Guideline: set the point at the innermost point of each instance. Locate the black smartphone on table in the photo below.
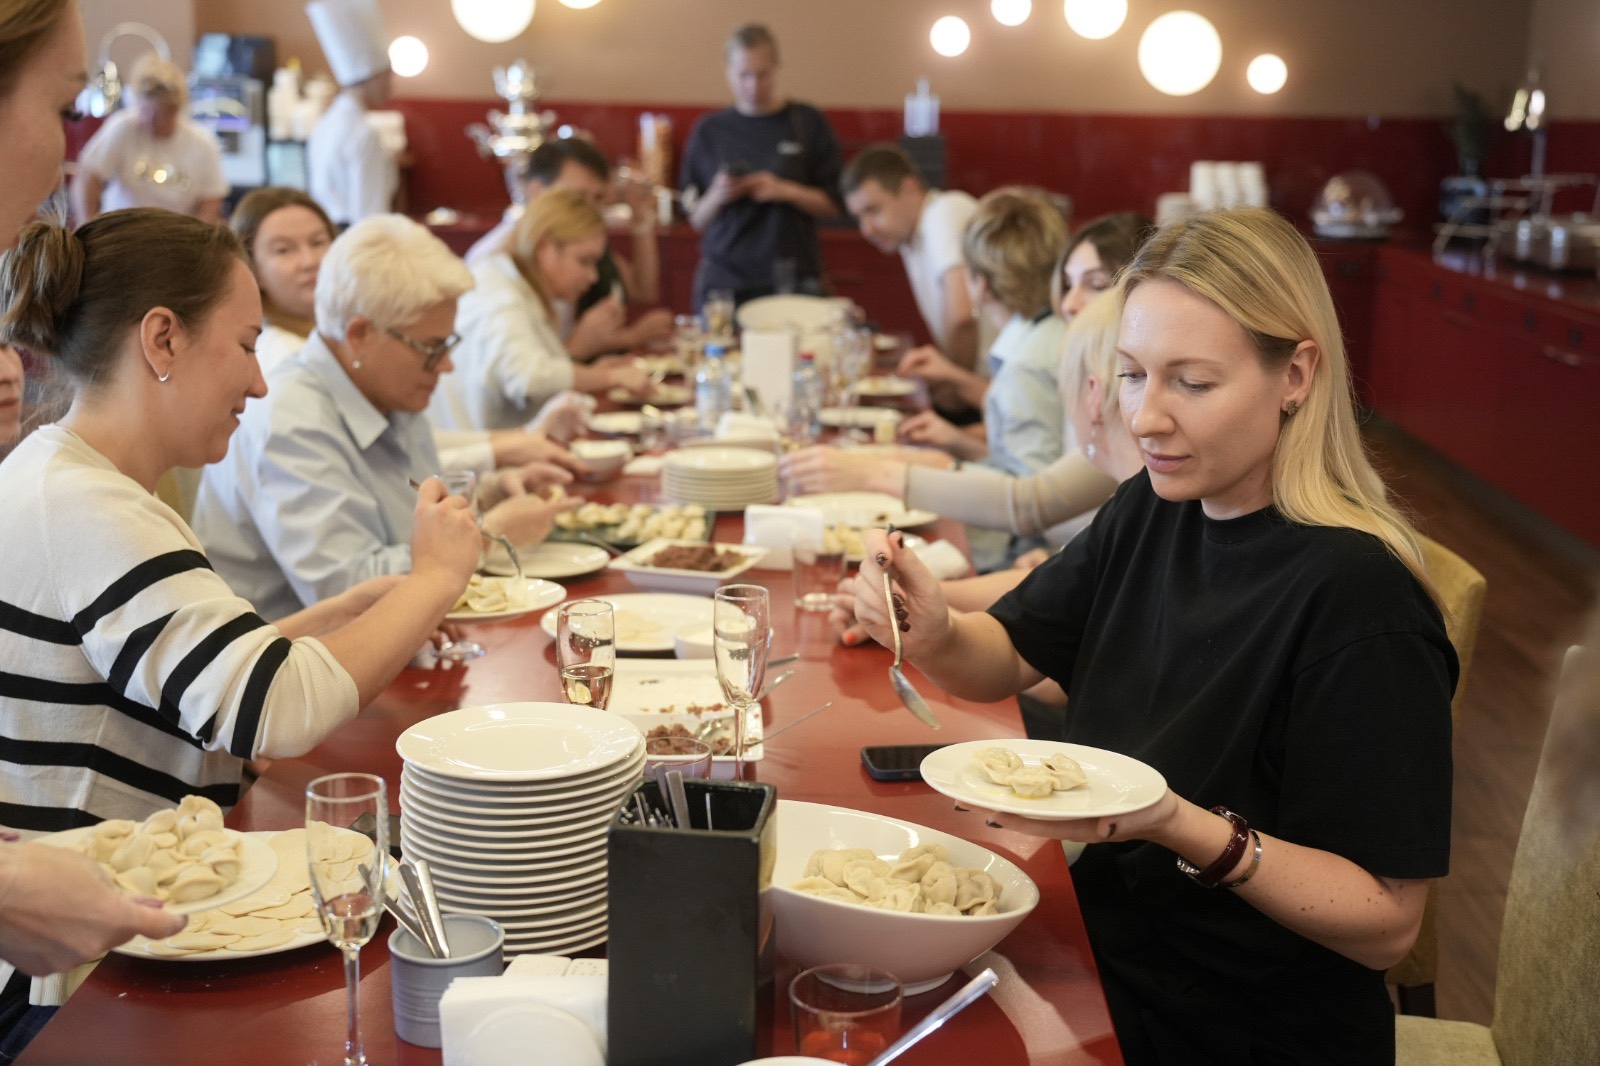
(897, 762)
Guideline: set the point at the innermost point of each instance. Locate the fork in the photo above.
(511, 550)
(902, 687)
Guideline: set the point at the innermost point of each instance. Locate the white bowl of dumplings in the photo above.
(922, 949)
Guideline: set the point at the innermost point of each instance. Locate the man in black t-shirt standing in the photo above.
(762, 171)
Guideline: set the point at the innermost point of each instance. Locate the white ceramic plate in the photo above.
(481, 815)
(552, 559)
(866, 510)
(618, 423)
(660, 396)
(524, 883)
(436, 828)
(857, 417)
(460, 850)
(555, 798)
(720, 462)
(1117, 784)
(257, 864)
(539, 595)
(647, 620)
(509, 742)
(502, 869)
(885, 385)
(637, 566)
(656, 692)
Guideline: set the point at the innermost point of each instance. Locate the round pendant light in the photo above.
(1095, 19)
(581, 5)
(1180, 53)
(408, 56)
(1267, 73)
(950, 36)
(1011, 12)
(493, 21)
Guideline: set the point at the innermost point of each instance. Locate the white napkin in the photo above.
(469, 1000)
(777, 528)
(735, 425)
(943, 559)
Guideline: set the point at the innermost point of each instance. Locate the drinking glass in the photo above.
(462, 483)
(718, 311)
(819, 566)
(586, 650)
(347, 848)
(688, 341)
(845, 1012)
(741, 625)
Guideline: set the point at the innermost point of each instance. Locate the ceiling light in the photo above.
(950, 36)
(1267, 73)
(1011, 12)
(408, 56)
(1180, 53)
(581, 5)
(493, 21)
(1095, 19)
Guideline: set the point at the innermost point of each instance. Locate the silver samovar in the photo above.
(513, 134)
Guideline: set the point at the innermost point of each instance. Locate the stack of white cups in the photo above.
(1225, 184)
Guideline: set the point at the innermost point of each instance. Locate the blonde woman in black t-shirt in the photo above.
(1250, 616)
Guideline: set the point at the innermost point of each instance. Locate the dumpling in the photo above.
(134, 851)
(224, 861)
(991, 907)
(997, 764)
(193, 882)
(161, 822)
(903, 897)
(1066, 771)
(914, 862)
(859, 875)
(1032, 782)
(830, 863)
(948, 909)
(975, 889)
(196, 845)
(939, 884)
(140, 881)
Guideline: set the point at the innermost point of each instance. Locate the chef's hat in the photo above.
(352, 37)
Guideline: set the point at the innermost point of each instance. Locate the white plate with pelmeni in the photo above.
(1113, 783)
(617, 423)
(552, 560)
(646, 621)
(488, 598)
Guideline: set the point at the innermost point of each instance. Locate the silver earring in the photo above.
(163, 377)
(1090, 451)
(355, 364)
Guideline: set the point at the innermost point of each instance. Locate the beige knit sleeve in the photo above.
(985, 497)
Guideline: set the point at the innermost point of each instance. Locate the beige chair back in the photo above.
(1548, 976)
(1462, 591)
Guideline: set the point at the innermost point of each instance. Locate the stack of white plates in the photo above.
(722, 479)
(510, 803)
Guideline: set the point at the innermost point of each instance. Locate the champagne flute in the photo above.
(741, 635)
(586, 649)
(348, 867)
(462, 483)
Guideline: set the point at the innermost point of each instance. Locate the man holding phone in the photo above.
(762, 172)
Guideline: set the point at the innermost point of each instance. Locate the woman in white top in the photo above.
(152, 155)
(511, 359)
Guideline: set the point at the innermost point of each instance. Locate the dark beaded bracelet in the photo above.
(1212, 875)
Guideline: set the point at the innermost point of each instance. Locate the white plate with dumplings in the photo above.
(257, 863)
(646, 621)
(488, 598)
(1117, 784)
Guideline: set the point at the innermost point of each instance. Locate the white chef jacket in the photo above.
(349, 172)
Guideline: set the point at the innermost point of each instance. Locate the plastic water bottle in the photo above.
(805, 400)
(713, 391)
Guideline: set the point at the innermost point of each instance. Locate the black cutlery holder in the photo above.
(687, 928)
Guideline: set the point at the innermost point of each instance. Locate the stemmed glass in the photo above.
(348, 863)
(586, 649)
(741, 634)
(462, 483)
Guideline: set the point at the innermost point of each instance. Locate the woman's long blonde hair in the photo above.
(560, 215)
(1260, 271)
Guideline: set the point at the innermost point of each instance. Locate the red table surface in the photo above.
(290, 1007)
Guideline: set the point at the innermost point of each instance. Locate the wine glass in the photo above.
(741, 633)
(462, 483)
(586, 649)
(347, 848)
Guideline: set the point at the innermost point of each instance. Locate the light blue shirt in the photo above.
(314, 494)
(1022, 411)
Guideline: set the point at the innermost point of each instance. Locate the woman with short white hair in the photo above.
(315, 494)
(152, 154)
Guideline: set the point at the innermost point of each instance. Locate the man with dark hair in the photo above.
(896, 211)
(761, 172)
(597, 323)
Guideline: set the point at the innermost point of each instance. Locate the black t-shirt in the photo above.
(1298, 675)
(739, 247)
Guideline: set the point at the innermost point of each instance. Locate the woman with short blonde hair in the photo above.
(1246, 616)
(511, 358)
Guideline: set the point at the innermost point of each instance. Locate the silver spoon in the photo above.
(430, 932)
(897, 680)
(969, 994)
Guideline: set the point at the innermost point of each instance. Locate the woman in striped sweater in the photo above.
(130, 674)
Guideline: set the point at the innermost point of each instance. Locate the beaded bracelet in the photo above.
(1211, 876)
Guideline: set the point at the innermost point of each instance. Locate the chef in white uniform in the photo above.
(350, 172)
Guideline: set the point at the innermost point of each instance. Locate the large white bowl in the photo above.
(605, 457)
(635, 564)
(923, 950)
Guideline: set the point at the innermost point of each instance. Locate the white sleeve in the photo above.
(521, 357)
(373, 176)
(464, 449)
(948, 222)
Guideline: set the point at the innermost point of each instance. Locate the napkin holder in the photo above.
(778, 529)
(767, 364)
(687, 928)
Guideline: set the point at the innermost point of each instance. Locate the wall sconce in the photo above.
(408, 56)
(1267, 73)
(493, 21)
(1179, 53)
(950, 36)
(1095, 19)
(1011, 12)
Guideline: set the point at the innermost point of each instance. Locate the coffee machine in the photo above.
(227, 95)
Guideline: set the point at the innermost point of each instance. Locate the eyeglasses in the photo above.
(432, 354)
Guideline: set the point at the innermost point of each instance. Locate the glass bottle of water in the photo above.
(806, 400)
(713, 391)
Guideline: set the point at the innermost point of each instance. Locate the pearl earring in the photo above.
(355, 364)
(163, 377)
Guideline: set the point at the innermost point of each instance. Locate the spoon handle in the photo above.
(970, 993)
